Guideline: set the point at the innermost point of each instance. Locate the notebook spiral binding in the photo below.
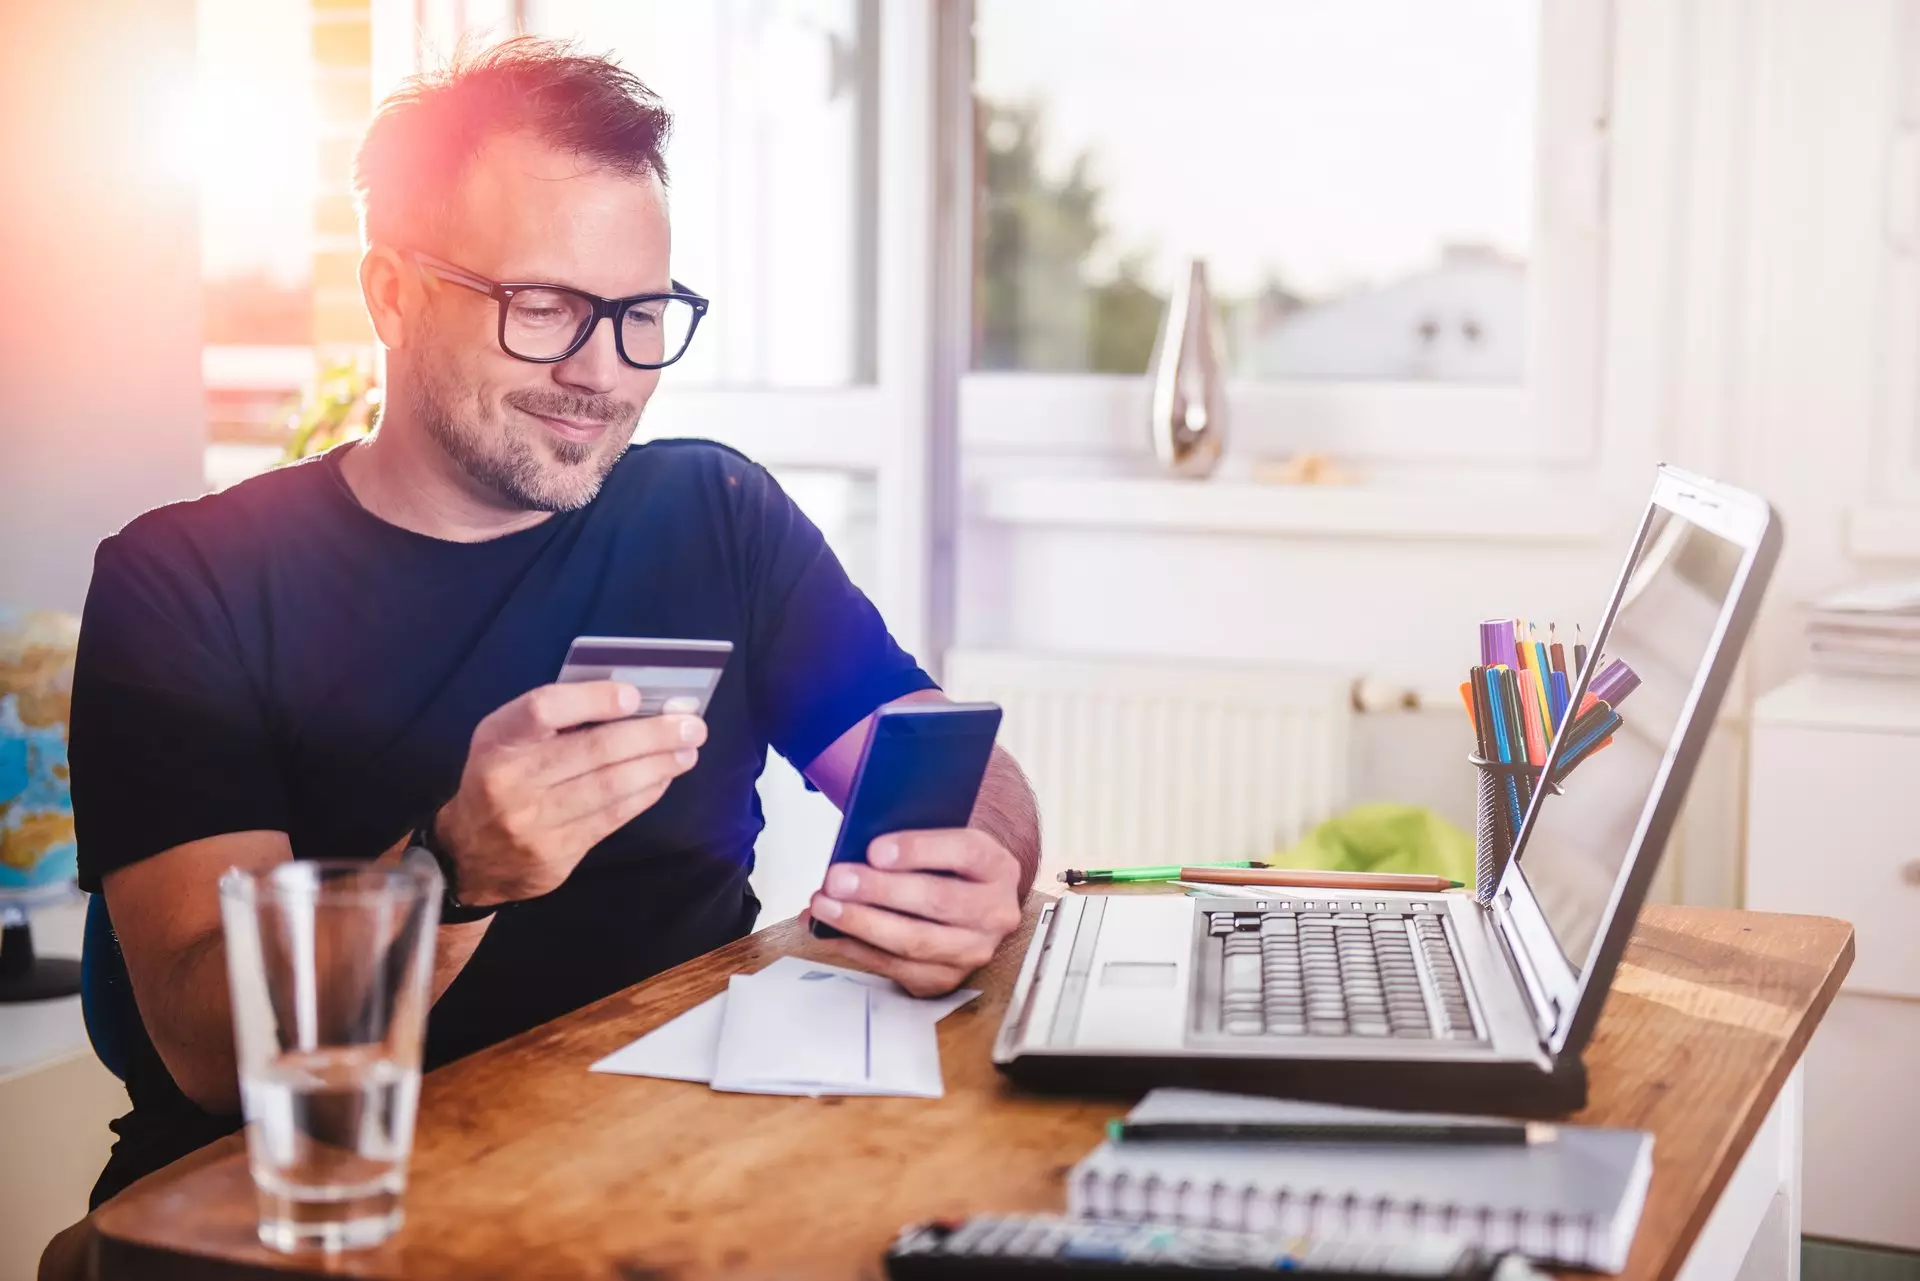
(1222, 1205)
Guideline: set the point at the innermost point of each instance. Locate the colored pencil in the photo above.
(1489, 643)
(1586, 738)
(1496, 643)
(1313, 879)
(1503, 698)
(1484, 746)
(1523, 782)
(1615, 681)
(1482, 721)
(1531, 720)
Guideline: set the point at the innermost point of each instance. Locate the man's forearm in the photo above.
(1007, 811)
(453, 949)
(189, 1016)
(454, 945)
(199, 1041)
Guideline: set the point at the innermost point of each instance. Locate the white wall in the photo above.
(100, 412)
(1746, 194)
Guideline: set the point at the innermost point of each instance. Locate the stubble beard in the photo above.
(507, 462)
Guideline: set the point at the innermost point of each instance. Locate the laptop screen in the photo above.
(1679, 583)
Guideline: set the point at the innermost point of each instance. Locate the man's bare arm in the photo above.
(1007, 811)
(547, 777)
(166, 912)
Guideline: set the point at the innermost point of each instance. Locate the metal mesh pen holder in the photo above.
(1494, 830)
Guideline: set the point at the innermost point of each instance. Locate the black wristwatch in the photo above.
(452, 910)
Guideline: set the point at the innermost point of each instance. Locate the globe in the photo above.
(36, 809)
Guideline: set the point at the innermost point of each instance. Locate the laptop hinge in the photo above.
(1546, 1011)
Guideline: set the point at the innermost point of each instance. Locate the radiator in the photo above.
(1138, 761)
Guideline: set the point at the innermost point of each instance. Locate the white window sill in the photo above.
(1070, 415)
(1512, 514)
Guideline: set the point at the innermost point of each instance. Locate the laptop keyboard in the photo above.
(1337, 969)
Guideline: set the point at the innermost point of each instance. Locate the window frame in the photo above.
(1897, 445)
(876, 429)
(1552, 418)
(1886, 525)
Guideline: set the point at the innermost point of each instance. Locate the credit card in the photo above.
(662, 670)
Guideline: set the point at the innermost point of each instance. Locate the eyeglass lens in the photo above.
(543, 323)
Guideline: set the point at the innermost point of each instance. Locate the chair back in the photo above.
(106, 993)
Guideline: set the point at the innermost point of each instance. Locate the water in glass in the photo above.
(328, 1134)
(328, 964)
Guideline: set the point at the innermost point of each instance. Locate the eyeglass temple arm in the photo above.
(480, 284)
(455, 275)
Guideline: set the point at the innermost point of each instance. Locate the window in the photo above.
(1358, 175)
(253, 139)
(800, 189)
(773, 162)
(1398, 202)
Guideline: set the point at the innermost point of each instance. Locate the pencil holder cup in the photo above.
(1506, 789)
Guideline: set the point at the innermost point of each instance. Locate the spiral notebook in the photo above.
(1573, 1199)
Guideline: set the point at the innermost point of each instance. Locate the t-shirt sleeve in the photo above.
(169, 740)
(819, 657)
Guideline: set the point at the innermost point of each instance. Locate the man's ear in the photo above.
(391, 290)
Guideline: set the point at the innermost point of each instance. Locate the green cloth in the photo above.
(1385, 838)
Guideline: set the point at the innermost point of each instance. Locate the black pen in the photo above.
(1422, 1130)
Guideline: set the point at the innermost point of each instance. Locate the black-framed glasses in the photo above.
(546, 323)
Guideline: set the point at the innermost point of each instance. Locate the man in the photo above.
(343, 656)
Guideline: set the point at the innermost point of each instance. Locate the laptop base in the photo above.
(1497, 1088)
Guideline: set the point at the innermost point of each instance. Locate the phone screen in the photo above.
(921, 769)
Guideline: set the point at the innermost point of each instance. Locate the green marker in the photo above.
(1121, 875)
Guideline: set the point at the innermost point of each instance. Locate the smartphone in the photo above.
(920, 769)
(681, 671)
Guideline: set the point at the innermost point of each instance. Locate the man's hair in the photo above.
(418, 146)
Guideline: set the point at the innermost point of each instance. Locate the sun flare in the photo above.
(252, 138)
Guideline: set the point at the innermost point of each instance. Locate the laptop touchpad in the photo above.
(1139, 974)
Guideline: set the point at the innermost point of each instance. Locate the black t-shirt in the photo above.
(275, 657)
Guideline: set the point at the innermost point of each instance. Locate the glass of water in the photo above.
(330, 964)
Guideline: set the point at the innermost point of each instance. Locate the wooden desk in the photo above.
(526, 1164)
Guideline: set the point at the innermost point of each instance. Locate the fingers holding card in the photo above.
(671, 675)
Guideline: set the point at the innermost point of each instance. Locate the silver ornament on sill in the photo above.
(1189, 386)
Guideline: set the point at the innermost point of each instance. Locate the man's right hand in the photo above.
(551, 775)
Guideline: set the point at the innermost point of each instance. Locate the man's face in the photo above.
(535, 437)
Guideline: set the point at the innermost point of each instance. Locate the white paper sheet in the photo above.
(681, 1049)
(905, 1055)
(785, 1035)
(906, 1049)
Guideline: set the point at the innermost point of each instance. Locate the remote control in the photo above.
(1045, 1245)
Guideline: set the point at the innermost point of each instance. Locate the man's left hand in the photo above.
(925, 931)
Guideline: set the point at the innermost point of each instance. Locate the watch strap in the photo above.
(452, 910)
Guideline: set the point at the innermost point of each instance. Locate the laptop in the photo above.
(1430, 1001)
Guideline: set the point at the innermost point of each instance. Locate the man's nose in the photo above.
(595, 367)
